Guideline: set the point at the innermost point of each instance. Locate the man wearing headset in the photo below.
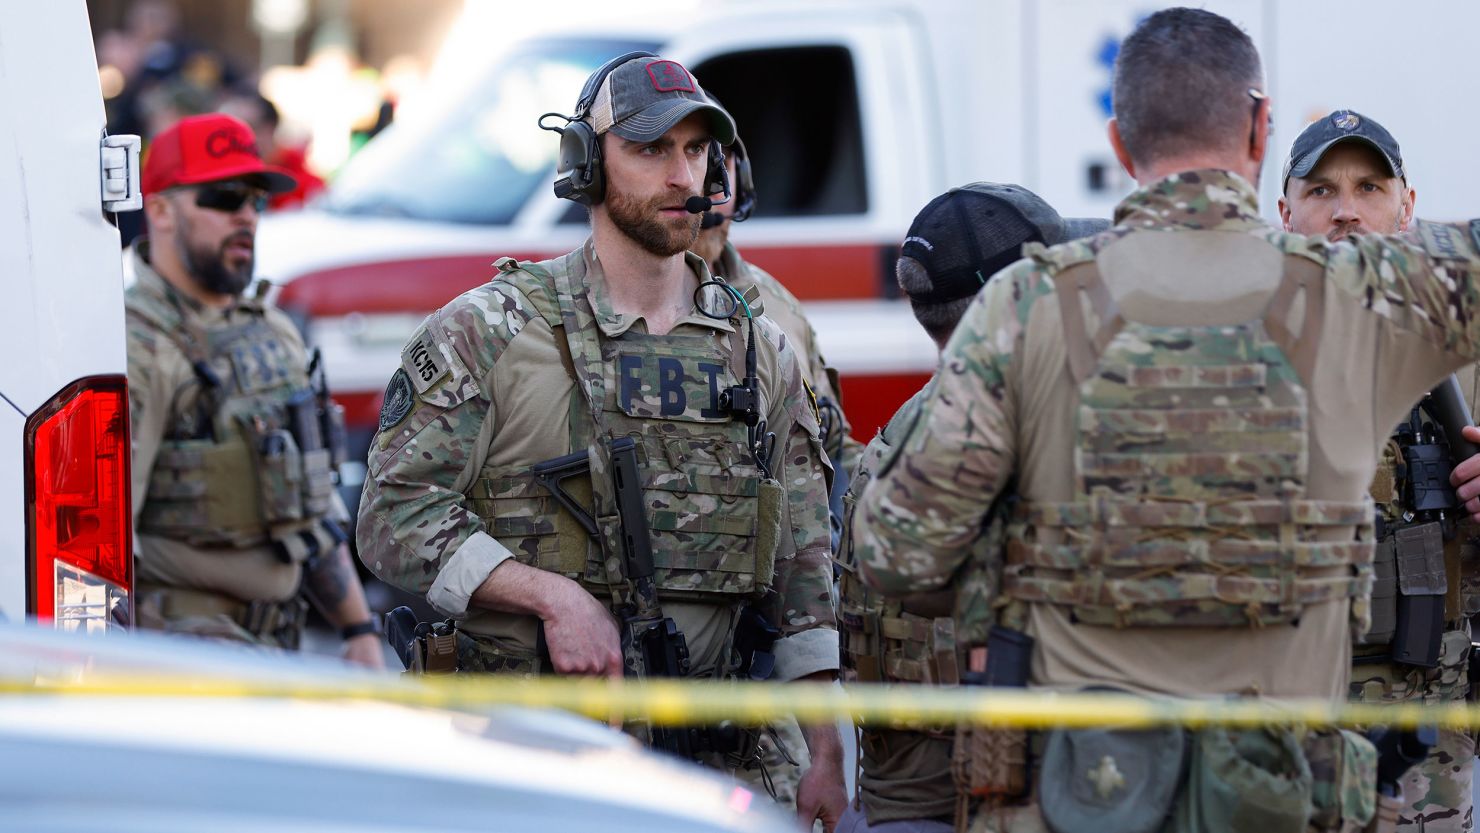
(624, 341)
(781, 306)
(784, 755)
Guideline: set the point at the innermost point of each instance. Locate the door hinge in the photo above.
(121, 189)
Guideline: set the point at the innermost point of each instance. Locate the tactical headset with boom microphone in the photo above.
(579, 175)
(744, 189)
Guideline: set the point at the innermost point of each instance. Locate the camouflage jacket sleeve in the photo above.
(918, 516)
(803, 582)
(1426, 282)
(416, 529)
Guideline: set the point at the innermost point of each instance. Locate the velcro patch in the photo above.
(423, 362)
(670, 76)
(684, 388)
(259, 365)
(1445, 241)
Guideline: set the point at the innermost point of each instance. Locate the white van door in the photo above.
(65, 552)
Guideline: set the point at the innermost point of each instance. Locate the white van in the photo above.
(855, 114)
(65, 548)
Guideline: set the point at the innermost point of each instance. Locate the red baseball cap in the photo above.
(208, 148)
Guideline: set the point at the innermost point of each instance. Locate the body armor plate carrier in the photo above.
(244, 461)
(1190, 464)
(714, 522)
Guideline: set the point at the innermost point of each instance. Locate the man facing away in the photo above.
(1189, 406)
(906, 780)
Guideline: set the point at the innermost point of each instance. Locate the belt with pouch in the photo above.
(279, 621)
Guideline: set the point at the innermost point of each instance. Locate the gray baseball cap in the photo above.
(645, 97)
(1341, 126)
(968, 234)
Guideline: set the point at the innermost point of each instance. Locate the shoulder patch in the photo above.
(424, 361)
(398, 400)
(433, 366)
(1446, 241)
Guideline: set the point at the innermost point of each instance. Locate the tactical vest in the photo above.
(1190, 468)
(714, 522)
(241, 464)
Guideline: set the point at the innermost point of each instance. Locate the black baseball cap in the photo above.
(1341, 126)
(645, 97)
(968, 234)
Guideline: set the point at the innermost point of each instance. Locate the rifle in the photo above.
(1410, 548)
(1452, 414)
(652, 645)
(327, 413)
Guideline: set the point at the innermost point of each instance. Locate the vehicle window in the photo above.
(797, 110)
(479, 158)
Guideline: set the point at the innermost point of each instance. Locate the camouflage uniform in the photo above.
(786, 310)
(1160, 546)
(783, 308)
(904, 775)
(209, 561)
(536, 364)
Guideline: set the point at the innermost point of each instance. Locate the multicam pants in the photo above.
(1437, 793)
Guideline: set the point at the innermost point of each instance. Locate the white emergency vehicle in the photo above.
(65, 548)
(855, 114)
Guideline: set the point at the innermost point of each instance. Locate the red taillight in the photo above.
(78, 513)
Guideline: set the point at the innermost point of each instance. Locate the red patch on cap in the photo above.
(670, 76)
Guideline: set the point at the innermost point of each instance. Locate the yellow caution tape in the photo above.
(673, 702)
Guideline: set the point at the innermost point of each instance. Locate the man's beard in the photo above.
(209, 270)
(641, 221)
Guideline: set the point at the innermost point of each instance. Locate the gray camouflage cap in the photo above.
(644, 98)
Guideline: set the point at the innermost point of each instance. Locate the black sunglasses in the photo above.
(229, 197)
